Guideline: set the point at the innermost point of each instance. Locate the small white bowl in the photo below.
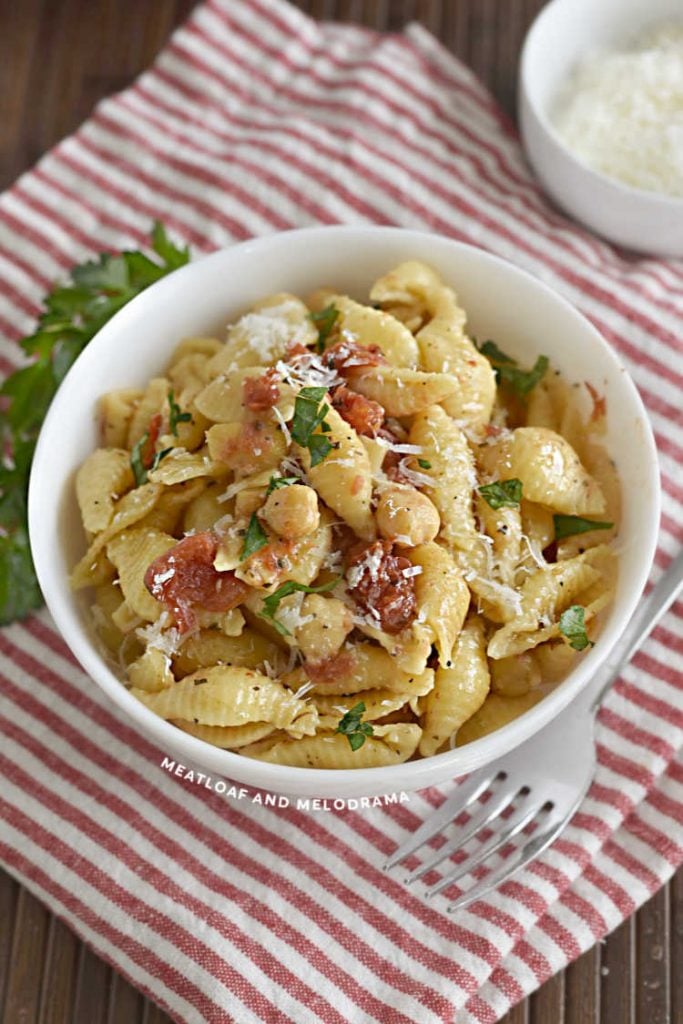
(563, 33)
(502, 302)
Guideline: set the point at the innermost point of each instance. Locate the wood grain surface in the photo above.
(57, 59)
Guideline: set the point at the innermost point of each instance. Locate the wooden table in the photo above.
(57, 58)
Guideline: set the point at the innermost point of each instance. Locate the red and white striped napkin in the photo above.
(256, 119)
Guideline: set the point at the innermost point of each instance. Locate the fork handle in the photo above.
(644, 620)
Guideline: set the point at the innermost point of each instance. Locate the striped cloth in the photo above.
(255, 119)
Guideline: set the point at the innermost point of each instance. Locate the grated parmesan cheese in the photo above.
(268, 331)
(370, 564)
(283, 426)
(413, 477)
(289, 613)
(404, 449)
(308, 370)
(507, 595)
(157, 637)
(621, 112)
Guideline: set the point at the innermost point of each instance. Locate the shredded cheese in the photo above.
(621, 112)
(308, 370)
(370, 564)
(158, 637)
(268, 331)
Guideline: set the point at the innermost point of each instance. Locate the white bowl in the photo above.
(563, 33)
(504, 303)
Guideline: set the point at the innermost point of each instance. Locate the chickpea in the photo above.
(330, 623)
(407, 517)
(292, 511)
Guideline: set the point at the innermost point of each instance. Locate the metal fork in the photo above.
(537, 786)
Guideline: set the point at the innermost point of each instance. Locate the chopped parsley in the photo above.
(175, 415)
(272, 602)
(324, 320)
(141, 465)
(254, 539)
(508, 372)
(309, 414)
(502, 493)
(573, 627)
(73, 313)
(353, 728)
(424, 463)
(568, 526)
(276, 482)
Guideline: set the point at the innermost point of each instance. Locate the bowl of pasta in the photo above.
(344, 511)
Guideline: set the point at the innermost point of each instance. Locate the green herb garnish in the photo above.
(573, 626)
(175, 415)
(424, 463)
(319, 447)
(73, 313)
(254, 539)
(502, 493)
(568, 526)
(351, 726)
(142, 467)
(494, 354)
(324, 320)
(508, 372)
(272, 602)
(280, 481)
(309, 414)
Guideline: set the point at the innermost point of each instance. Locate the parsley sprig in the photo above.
(73, 313)
(324, 320)
(508, 372)
(272, 602)
(353, 728)
(175, 415)
(254, 539)
(309, 414)
(502, 493)
(568, 526)
(573, 627)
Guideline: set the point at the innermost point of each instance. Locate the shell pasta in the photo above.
(348, 535)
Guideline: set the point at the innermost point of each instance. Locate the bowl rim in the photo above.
(626, 192)
(320, 781)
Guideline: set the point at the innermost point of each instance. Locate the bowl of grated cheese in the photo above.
(601, 116)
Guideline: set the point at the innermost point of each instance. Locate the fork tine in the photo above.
(520, 858)
(465, 793)
(514, 824)
(477, 822)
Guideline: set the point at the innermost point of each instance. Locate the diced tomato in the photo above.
(381, 589)
(261, 393)
(296, 349)
(349, 358)
(391, 464)
(364, 415)
(184, 579)
(153, 432)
